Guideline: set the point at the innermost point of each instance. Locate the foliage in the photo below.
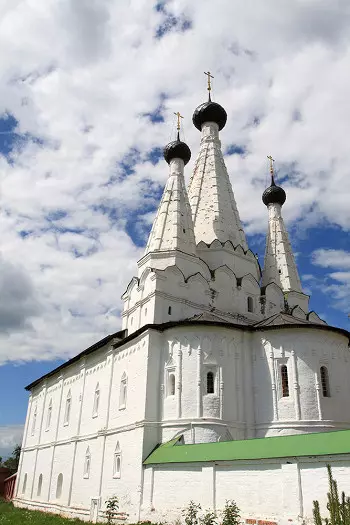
(230, 514)
(112, 507)
(13, 461)
(339, 509)
(209, 518)
(191, 513)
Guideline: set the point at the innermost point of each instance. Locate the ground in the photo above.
(9, 515)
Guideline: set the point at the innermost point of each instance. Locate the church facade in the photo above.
(214, 352)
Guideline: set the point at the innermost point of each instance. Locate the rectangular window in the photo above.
(284, 381)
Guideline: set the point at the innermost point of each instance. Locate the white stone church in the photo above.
(220, 385)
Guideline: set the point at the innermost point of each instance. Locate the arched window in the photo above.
(210, 383)
(24, 486)
(96, 401)
(59, 486)
(171, 384)
(284, 381)
(87, 463)
(325, 381)
(40, 484)
(49, 415)
(34, 419)
(123, 391)
(250, 304)
(117, 464)
(68, 408)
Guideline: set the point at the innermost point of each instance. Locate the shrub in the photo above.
(230, 514)
(191, 513)
(339, 510)
(209, 518)
(112, 507)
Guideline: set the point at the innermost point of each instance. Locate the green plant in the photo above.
(230, 514)
(112, 507)
(339, 509)
(191, 513)
(209, 518)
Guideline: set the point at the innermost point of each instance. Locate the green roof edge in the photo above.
(315, 444)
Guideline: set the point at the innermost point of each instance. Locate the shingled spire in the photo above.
(214, 209)
(280, 266)
(173, 227)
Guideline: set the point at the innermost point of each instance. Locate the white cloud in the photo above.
(80, 77)
(10, 436)
(338, 283)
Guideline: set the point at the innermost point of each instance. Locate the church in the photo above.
(221, 384)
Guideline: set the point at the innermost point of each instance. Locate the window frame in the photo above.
(284, 380)
(96, 405)
(117, 456)
(68, 409)
(87, 464)
(123, 391)
(324, 380)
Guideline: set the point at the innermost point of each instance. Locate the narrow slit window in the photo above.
(284, 380)
(96, 401)
(117, 461)
(171, 384)
(59, 486)
(68, 408)
(87, 464)
(250, 304)
(325, 381)
(123, 391)
(169, 310)
(40, 484)
(49, 415)
(210, 383)
(24, 486)
(34, 420)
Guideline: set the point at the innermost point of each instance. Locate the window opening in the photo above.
(169, 310)
(87, 463)
(210, 383)
(117, 461)
(123, 391)
(49, 415)
(171, 384)
(96, 401)
(59, 486)
(325, 381)
(250, 304)
(285, 383)
(24, 486)
(68, 408)
(40, 484)
(34, 419)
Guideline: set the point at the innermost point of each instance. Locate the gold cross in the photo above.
(178, 119)
(209, 77)
(271, 163)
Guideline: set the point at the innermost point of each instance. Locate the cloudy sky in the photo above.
(87, 96)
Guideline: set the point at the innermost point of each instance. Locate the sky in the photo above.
(88, 92)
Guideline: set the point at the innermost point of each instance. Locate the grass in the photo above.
(10, 515)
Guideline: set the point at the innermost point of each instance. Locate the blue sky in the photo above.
(86, 106)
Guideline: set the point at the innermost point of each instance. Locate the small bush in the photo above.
(112, 507)
(339, 509)
(209, 518)
(191, 513)
(230, 514)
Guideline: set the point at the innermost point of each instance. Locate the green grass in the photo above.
(10, 515)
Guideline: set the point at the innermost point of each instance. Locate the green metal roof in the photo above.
(320, 444)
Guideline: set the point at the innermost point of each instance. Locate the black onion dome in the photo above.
(274, 195)
(209, 112)
(177, 150)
